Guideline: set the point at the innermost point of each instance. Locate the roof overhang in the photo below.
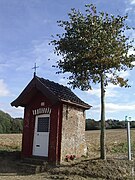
(30, 91)
(87, 106)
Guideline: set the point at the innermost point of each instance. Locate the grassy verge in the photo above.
(122, 148)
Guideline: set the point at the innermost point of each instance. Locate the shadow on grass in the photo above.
(9, 162)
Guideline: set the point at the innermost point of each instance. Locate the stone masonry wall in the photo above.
(73, 132)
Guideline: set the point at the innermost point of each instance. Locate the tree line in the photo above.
(9, 124)
(91, 124)
(15, 125)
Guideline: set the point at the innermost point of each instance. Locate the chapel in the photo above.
(54, 121)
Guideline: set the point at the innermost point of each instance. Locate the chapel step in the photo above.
(33, 165)
(35, 160)
(28, 169)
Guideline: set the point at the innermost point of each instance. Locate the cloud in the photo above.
(4, 91)
(124, 74)
(46, 21)
(14, 112)
(128, 9)
(130, 6)
(63, 81)
(42, 51)
(21, 61)
(95, 92)
(113, 107)
(110, 91)
(132, 2)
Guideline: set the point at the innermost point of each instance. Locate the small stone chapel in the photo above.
(54, 121)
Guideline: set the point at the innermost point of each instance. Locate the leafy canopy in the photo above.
(94, 44)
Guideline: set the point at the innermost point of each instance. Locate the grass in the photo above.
(116, 145)
(10, 148)
(116, 141)
(122, 148)
(10, 142)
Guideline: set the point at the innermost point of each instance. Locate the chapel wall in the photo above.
(73, 132)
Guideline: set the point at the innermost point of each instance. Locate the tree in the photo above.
(17, 125)
(9, 124)
(5, 122)
(94, 49)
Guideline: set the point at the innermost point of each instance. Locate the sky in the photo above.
(25, 32)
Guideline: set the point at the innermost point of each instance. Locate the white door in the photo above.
(41, 135)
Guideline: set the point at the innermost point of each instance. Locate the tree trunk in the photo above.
(102, 135)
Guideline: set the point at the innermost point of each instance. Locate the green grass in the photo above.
(122, 148)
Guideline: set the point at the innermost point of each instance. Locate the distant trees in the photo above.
(91, 124)
(9, 124)
(17, 125)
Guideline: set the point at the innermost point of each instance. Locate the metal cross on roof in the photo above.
(35, 69)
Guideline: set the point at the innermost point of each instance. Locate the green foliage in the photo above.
(10, 125)
(91, 124)
(94, 44)
(17, 125)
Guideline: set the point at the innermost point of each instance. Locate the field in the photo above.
(10, 142)
(116, 143)
(91, 167)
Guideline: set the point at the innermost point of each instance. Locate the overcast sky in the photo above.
(25, 30)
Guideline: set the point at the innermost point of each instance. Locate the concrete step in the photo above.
(32, 166)
(35, 160)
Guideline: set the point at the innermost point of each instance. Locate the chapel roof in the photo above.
(56, 92)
